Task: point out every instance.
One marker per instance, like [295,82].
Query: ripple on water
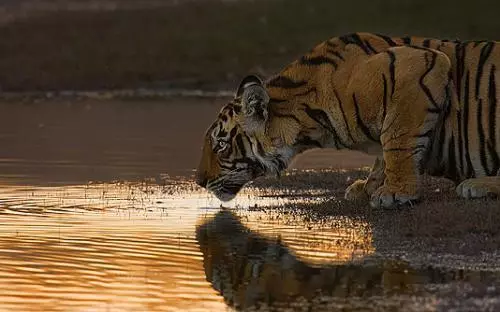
[132,247]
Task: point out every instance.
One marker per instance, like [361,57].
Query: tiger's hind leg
[421,92]
[363,189]
[479,188]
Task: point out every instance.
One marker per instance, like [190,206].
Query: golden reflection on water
[132,247]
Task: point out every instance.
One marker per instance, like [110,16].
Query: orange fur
[425,105]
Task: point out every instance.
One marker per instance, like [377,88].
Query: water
[123,247]
[142,237]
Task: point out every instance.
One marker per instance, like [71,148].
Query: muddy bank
[442,229]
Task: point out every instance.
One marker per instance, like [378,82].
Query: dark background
[88,45]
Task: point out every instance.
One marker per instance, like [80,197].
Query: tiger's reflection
[250,270]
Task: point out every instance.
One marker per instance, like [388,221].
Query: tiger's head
[236,148]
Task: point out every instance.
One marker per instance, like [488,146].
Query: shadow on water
[252,271]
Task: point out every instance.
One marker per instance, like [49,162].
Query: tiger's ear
[254,101]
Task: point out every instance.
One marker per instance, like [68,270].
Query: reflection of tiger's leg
[422,90]
[479,187]
[363,189]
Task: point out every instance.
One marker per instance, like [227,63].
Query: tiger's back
[468,145]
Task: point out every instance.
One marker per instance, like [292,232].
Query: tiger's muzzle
[226,186]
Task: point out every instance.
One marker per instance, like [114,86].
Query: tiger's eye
[222,144]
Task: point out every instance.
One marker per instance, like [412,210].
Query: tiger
[253,271]
[420,105]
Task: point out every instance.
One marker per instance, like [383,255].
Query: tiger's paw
[356,191]
[385,197]
[479,188]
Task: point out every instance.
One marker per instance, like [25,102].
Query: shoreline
[115,94]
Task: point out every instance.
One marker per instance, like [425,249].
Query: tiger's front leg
[402,176]
[363,189]
[422,91]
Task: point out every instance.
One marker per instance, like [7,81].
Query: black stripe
[420,48]
[441,142]
[260,149]
[285,82]
[426,43]
[415,150]
[478,42]
[275,114]
[460,141]
[485,53]
[370,48]
[435,154]
[392,68]
[240,145]
[442,43]
[280,164]
[492,101]
[306,141]
[480,133]
[447,106]
[344,117]
[386,128]
[222,132]
[277,101]
[337,54]
[469,172]
[398,149]
[451,170]
[360,122]
[332,49]
[322,119]
[384,102]
[306,92]
[460,65]
[317,60]
[433,110]
[388,40]
[398,136]
[426,134]
[355,39]
[424,87]
[496,161]
[249,161]
[406,40]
